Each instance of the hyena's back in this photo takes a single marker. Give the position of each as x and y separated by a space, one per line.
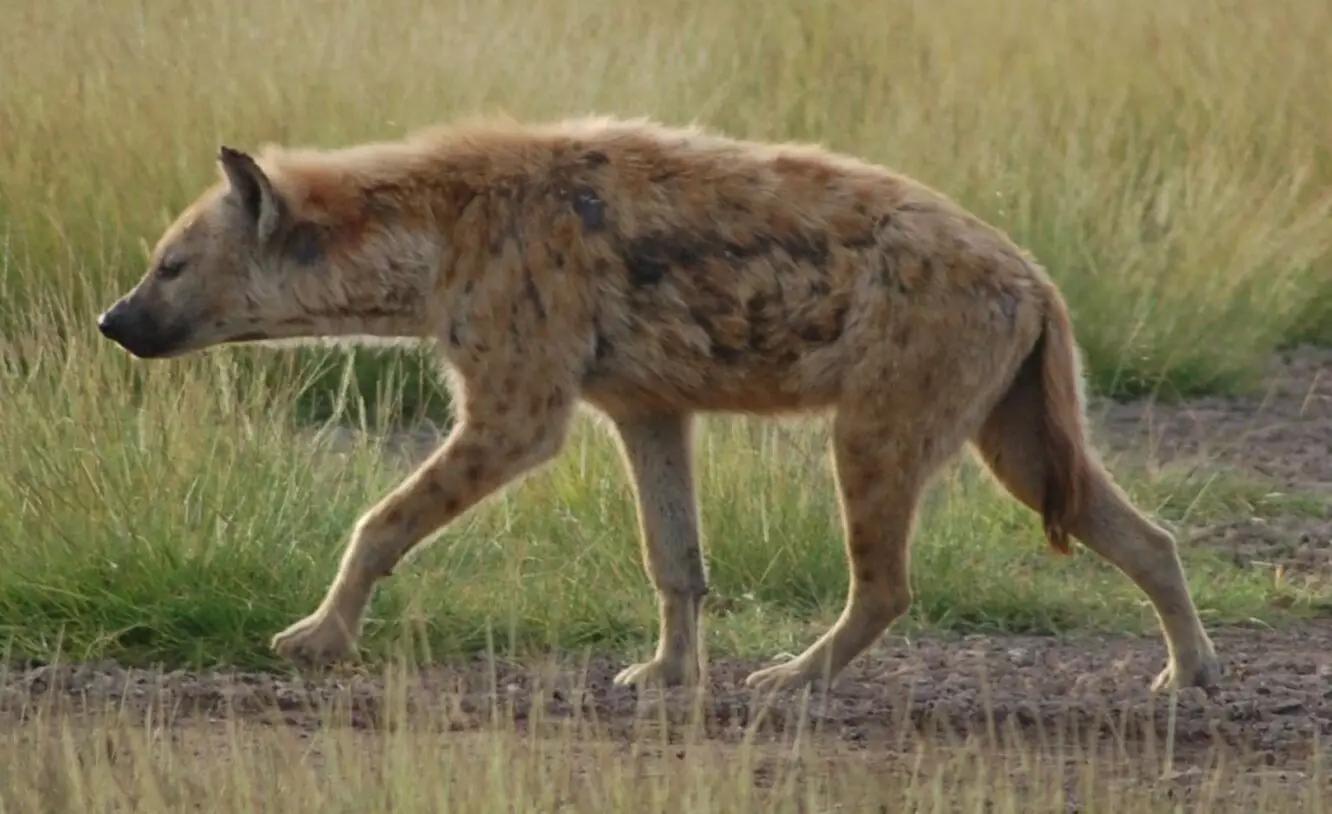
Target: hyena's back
729 275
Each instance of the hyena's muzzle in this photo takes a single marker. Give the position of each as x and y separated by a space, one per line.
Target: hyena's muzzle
134 328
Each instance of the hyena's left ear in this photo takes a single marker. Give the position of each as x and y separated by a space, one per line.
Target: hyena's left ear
255 192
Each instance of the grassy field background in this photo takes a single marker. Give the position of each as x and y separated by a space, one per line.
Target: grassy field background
1169 163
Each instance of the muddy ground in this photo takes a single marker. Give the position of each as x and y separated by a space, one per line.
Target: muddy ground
1276 697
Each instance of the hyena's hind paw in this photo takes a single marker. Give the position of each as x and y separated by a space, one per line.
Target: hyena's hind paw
318 639
1204 674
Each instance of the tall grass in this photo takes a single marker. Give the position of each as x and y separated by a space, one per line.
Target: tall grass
1168 162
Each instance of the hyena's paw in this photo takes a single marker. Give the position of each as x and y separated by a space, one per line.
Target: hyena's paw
659 673
1203 673
319 638
789 675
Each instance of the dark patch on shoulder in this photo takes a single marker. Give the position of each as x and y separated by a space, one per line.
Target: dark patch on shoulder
590 209
594 159
647 259
304 243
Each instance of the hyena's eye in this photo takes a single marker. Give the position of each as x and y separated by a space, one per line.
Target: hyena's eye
170 267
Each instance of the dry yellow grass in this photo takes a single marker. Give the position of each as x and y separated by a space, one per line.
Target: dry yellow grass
1169 163
107 759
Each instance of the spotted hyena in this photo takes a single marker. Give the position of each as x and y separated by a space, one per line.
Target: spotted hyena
654 273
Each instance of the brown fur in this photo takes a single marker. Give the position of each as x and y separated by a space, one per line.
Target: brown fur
654 273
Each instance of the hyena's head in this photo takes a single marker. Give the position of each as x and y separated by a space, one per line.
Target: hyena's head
251 259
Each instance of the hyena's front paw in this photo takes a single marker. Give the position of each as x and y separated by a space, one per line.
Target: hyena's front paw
660 673
317 639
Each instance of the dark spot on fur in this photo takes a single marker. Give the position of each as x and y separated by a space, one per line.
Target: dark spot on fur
650 256
718 349
559 260
819 288
761 321
533 294
662 175
595 159
454 339
602 348
304 243
590 208
450 506
861 241
394 517
473 472
865 576
839 321
725 353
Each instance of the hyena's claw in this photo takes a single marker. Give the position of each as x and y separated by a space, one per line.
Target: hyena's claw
1205 675
658 674
315 640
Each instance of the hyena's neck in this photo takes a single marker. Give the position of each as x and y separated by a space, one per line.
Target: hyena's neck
395 246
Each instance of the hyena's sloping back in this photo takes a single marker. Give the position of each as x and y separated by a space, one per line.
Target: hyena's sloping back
735 276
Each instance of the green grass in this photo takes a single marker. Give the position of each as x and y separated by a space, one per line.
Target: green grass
1169 165
191 526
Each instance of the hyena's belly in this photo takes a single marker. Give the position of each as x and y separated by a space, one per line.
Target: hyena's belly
653 376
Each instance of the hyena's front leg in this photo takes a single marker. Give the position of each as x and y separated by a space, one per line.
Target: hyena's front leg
659 458
496 440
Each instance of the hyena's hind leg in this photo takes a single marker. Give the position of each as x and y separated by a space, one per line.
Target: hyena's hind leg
658 454
1012 444
881 470
499 437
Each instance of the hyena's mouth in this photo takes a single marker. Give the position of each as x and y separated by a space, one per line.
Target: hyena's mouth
140 334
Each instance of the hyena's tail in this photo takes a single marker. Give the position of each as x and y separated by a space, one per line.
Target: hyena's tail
1035 441
1066 457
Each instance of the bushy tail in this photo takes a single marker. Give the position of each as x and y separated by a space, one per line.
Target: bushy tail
1065 439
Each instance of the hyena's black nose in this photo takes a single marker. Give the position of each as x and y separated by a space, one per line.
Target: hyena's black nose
112 322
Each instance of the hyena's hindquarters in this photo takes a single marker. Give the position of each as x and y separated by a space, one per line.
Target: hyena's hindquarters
1035 443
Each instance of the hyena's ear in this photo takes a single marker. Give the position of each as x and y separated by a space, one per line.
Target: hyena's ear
255 192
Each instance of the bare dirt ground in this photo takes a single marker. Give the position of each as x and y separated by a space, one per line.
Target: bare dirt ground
1276 698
